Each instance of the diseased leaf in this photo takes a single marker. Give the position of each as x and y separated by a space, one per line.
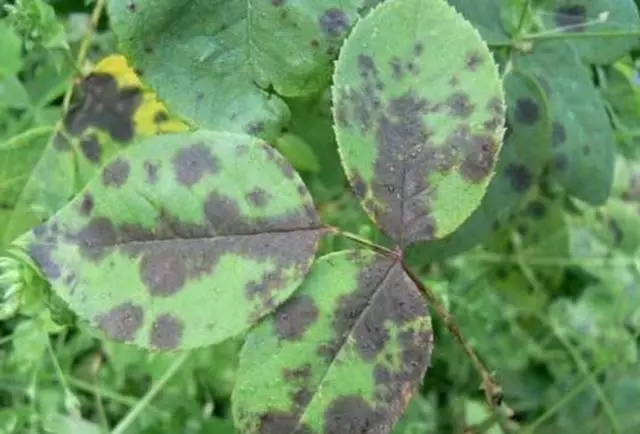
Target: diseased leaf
198 57
417 135
523 156
485 15
111 107
183 240
594 16
581 136
293 44
343 355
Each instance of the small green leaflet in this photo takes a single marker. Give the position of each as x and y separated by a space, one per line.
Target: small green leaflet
583 144
343 355
181 241
418 137
594 16
196 55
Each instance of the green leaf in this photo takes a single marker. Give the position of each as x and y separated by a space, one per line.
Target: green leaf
343 355
182 240
418 135
198 57
292 45
298 152
582 138
10 51
523 156
595 16
485 15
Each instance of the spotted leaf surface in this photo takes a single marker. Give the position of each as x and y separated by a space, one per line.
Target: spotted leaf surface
294 44
418 137
594 16
523 156
183 240
343 355
198 57
110 108
582 140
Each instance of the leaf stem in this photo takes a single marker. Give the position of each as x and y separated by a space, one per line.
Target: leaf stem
555 34
26 137
150 395
363 241
492 390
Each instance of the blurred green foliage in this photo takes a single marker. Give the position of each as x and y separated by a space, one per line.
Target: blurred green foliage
548 294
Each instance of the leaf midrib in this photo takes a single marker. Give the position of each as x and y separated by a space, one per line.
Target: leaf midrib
364 313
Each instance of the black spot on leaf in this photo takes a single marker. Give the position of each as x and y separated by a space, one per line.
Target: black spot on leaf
101 104
42 254
536 209
160 117
558 134
116 173
275 422
258 197
520 178
334 22
86 206
572 16
91 148
359 186
460 105
163 271
527 111
294 317
474 60
193 162
122 322
95 238
166 332
352 414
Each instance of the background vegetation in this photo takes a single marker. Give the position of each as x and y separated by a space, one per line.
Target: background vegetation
545 285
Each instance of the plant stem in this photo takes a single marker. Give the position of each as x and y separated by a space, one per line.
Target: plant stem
492 390
555 34
150 395
370 244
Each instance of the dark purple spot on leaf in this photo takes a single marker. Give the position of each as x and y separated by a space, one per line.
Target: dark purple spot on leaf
166 332
96 238
352 414
520 178
86 206
163 271
116 173
42 254
460 105
160 117
100 103
91 148
358 184
334 22
527 111
572 16
275 422
473 61
191 163
294 318
122 322
561 162
536 209
258 197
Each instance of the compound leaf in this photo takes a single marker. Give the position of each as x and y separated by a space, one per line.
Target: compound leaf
418 135
595 16
523 156
343 355
183 240
582 140
197 56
